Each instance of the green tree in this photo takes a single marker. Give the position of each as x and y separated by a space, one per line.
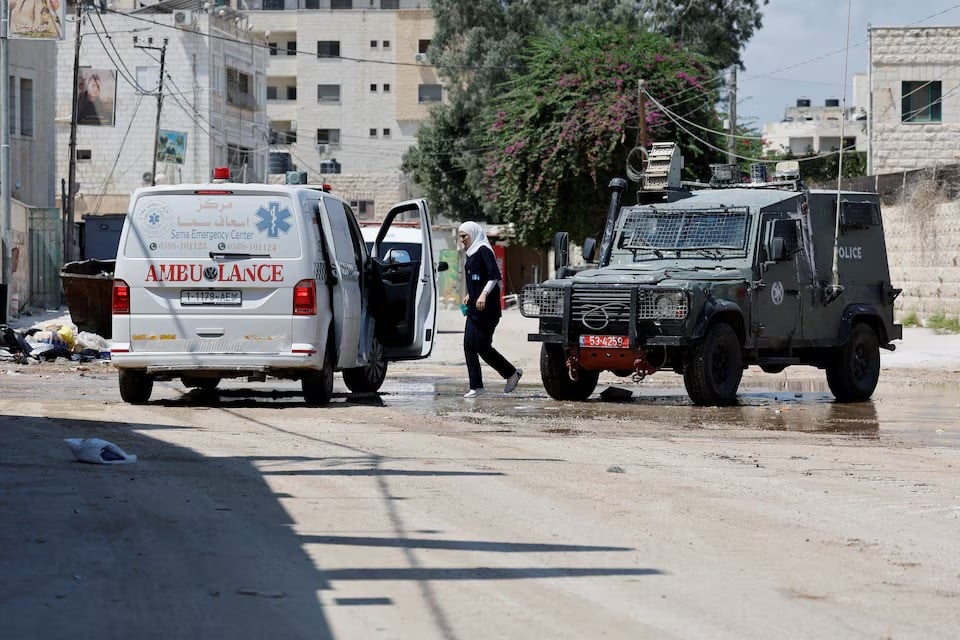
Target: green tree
478 45
565 126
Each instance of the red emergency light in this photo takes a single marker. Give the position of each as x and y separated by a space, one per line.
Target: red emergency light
221 173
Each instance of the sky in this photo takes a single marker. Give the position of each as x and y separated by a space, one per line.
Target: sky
799 51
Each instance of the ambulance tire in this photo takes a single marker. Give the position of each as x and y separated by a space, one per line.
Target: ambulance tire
369 378
318 386
135 386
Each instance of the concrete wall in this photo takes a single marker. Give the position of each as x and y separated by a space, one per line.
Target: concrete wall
923 245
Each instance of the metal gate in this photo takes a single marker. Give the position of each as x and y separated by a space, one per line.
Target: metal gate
45 248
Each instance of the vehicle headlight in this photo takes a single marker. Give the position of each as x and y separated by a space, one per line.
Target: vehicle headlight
671 305
542 302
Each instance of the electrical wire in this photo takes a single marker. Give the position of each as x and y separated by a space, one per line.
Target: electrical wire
694 124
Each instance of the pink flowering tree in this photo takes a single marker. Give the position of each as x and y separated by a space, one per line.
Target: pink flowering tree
567 122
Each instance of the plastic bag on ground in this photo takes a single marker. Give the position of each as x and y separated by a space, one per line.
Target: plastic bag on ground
98 451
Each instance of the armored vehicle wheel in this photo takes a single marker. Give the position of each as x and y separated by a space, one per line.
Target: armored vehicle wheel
853 373
772 368
714 367
207 384
135 385
557 380
368 378
318 385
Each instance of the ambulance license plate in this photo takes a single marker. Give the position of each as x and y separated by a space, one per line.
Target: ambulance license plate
227 297
605 342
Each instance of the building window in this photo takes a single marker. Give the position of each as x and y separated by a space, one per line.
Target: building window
84 154
363 208
330 137
328 49
921 101
273 48
240 159
292 48
386 87
273 5
373 44
373 133
292 92
422 46
271 93
389 4
312 4
239 89
430 93
373 88
386 132
328 93
341 4
330 166
386 44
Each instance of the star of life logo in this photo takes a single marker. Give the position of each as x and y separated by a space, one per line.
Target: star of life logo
154 218
273 219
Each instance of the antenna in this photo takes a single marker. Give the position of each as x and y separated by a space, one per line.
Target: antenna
843 109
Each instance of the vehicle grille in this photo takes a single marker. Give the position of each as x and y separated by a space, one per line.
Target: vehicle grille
607 310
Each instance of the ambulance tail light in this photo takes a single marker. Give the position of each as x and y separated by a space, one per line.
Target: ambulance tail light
305 298
121 298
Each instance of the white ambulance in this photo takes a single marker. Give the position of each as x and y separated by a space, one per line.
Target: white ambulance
230 280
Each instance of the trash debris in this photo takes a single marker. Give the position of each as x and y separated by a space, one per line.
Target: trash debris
616 394
615 469
98 451
261 594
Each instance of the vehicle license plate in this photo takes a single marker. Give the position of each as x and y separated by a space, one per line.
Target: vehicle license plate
210 296
607 342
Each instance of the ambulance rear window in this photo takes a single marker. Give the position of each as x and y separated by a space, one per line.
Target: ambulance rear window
193 225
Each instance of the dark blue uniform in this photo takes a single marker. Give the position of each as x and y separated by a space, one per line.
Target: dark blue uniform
480 268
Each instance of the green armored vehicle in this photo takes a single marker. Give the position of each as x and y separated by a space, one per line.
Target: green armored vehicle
706 281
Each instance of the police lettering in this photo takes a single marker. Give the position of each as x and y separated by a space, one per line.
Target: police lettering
851 253
225 273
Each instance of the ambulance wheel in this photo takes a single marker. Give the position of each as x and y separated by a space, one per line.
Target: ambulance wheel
135 385
556 378
714 367
853 373
318 386
368 378
207 384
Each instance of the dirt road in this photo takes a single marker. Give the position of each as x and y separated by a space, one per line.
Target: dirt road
418 514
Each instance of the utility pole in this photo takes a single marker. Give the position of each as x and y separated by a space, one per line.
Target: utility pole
68 207
732 97
156 132
5 148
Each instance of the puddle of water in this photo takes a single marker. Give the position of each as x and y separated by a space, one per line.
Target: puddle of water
927 414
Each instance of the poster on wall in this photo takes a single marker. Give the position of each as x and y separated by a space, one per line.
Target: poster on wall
37 19
96 96
171 146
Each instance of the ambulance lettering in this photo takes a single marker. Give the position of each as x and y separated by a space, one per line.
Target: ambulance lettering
224 273
851 253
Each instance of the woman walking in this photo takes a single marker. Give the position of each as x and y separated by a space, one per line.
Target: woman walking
482 304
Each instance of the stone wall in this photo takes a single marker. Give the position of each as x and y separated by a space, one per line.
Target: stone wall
923 245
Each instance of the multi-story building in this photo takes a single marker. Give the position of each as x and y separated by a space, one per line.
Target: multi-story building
348 85
810 129
35 225
212 112
914 110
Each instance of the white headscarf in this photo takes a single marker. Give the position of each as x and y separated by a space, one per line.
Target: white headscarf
477 237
